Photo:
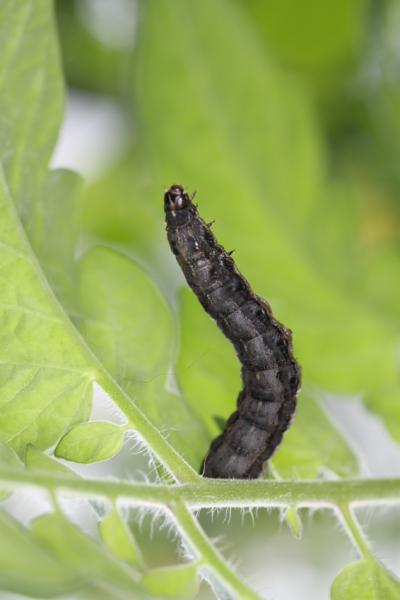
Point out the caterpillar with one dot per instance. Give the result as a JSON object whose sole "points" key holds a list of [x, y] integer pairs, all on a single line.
{"points": [[270, 374]]}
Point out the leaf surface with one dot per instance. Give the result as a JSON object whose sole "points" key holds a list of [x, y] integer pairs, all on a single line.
{"points": [[313, 445], [179, 582], [45, 376], [119, 539], [293, 519], [29, 70], [26, 567], [35, 459], [129, 326], [81, 553], [10, 459], [366, 580], [290, 31], [91, 442]]}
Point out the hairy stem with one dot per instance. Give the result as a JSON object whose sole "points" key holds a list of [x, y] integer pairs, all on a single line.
{"points": [[216, 493], [191, 529], [354, 531], [165, 453]]}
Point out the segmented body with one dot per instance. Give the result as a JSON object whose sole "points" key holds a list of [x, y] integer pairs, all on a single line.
{"points": [[270, 374]]}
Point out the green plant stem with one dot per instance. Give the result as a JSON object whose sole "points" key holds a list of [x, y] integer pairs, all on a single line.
{"points": [[355, 532], [216, 493], [219, 494], [210, 555], [165, 453]]}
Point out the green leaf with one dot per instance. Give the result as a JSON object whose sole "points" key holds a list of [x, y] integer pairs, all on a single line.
{"points": [[294, 31], [27, 568], [129, 326], [294, 521], [89, 63], [172, 582], [10, 459], [119, 539], [56, 233], [124, 317], [31, 99], [35, 459], [237, 71], [127, 219], [91, 442], [80, 553], [313, 444], [45, 376], [365, 580]]}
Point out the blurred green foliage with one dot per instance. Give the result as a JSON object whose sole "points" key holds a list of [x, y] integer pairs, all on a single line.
{"points": [[322, 40], [283, 117], [89, 63]]}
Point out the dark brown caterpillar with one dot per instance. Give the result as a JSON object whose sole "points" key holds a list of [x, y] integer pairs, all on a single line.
{"points": [[270, 374]]}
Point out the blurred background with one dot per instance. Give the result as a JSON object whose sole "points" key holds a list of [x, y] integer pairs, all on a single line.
{"points": [[284, 116]]}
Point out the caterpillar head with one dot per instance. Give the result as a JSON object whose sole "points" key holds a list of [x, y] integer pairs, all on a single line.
{"points": [[176, 199]]}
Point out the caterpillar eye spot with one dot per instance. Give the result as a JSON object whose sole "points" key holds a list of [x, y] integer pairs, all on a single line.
{"points": [[175, 198], [270, 374]]}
